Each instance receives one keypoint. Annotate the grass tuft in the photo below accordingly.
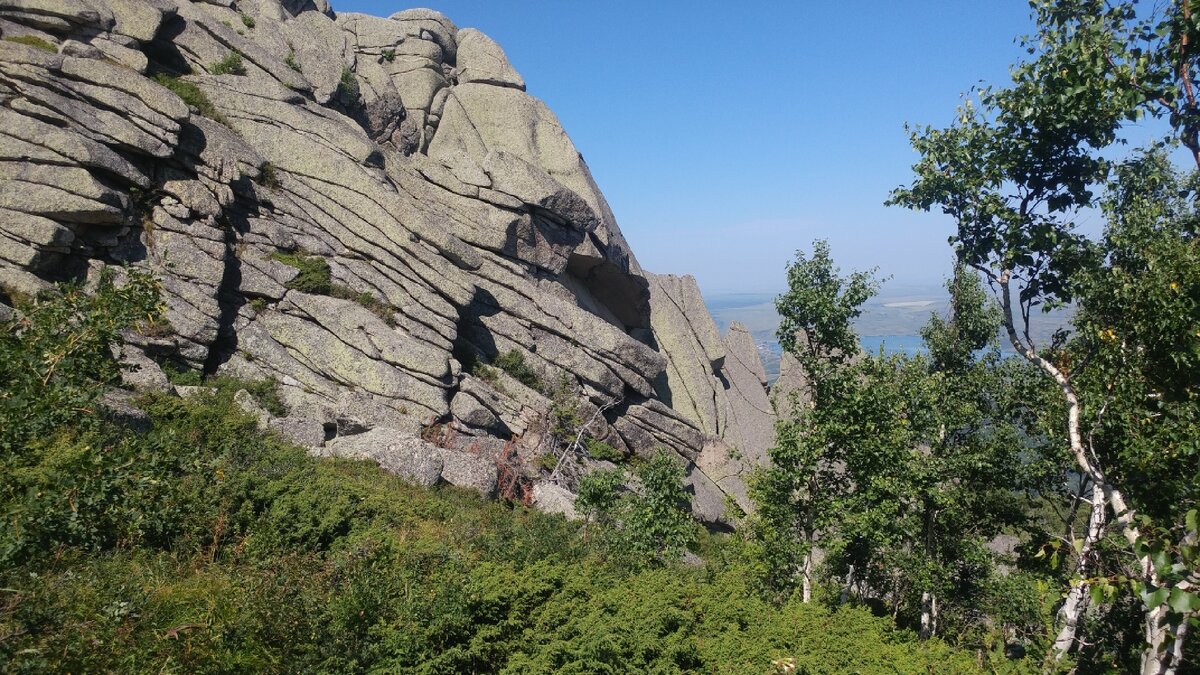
(192, 95)
(230, 65)
(33, 41)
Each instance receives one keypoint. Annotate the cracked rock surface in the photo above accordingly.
(236, 148)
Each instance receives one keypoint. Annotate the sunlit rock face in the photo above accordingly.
(239, 149)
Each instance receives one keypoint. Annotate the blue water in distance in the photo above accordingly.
(893, 344)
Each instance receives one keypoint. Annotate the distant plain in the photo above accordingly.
(891, 320)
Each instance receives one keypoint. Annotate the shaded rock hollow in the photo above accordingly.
(453, 216)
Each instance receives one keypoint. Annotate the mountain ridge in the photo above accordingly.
(374, 213)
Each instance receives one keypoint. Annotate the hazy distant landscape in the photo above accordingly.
(892, 320)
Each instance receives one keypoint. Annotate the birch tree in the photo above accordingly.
(795, 493)
(1015, 171)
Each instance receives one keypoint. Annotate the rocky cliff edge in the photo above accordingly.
(374, 213)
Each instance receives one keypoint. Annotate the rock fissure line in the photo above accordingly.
(441, 188)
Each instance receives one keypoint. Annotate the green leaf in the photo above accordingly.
(1184, 601)
(1155, 598)
(1162, 560)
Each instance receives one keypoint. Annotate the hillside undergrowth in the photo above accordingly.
(204, 545)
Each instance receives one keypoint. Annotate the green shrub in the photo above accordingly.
(291, 61)
(389, 55)
(598, 495)
(230, 65)
(659, 523)
(55, 355)
(513, 363)
(315, 276)
(347, 89)
(192, 95)
(370, 301)
(204, 545)
(268, 177)
(265, 392)
(598, 449)
(247, 20)
(548, 461)
(33, 41)
(564, 409)
(486, 373)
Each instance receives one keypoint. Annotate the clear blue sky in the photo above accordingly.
(726, 136)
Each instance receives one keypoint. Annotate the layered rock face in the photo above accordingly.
(369, 211)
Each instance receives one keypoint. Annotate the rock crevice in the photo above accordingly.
(370, 211)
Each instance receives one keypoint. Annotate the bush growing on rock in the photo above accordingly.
(55, 354)
(513, 363)
(315, 276)
(230, 65)
(192, 95)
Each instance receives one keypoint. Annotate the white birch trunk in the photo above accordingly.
(1124, 515)
(1159, 657)
(929, 612)
(1155, 658)
(806, 575)
(849, 583)
(1181, 632)
(1072, 610)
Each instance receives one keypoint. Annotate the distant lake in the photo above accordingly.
(891, 320)
(893, 344)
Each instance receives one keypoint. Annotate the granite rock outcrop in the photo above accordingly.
(370, 211)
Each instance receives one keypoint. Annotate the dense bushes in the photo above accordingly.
(213, 548)
(204, 545)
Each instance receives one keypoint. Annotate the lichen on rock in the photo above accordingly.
(453, 218)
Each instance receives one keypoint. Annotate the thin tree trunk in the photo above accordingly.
(1124, 515)
(1155, 658)
(1181, 632)
(1076, 603)
(929, 612)
(1159, 657)
(849, 583)
(806, 575)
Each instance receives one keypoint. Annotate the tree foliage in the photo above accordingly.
(56, 353)
(1016, 171)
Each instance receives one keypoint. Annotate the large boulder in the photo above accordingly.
(412, 459)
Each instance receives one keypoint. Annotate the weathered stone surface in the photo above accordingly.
(470, 411)
(688, 336)
(789, 393)
(551, 498)
(321, 50)
(708, 500)
(130, 58)
(139, 19)
(456, 219)
(118, 406)
(466, 470)
(480, 59)
(728, 472)
(431, 25)
(73, 12)
(478, 118)
(751, 420)
(305, 431)
(141, 372)
(246, 402)
(412, 459)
